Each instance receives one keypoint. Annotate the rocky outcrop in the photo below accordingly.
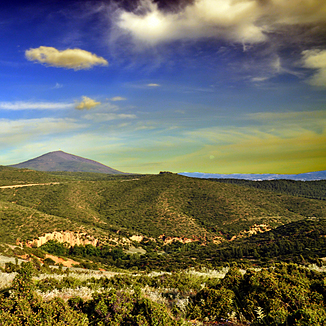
(137, 238)
(70, 237)
(255, 229)
(168, 240)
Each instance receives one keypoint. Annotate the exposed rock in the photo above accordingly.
(255, 229)
(168, 240)
(218, 240)
(65, 262)
(137, 238)
(70, 237)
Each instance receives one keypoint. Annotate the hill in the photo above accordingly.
(308, 189)
(61, 161)
(12, 176)
(162, 207)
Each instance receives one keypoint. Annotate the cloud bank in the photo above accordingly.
(100, 117)
(244, 21)
(21, 105)
(86, 104)
(76, 59)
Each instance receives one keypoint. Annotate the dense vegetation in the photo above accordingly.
(11, 176)
(284, 294)
(308, 189)
(164, 205)
(92, 176)
(216, 216)
(300, 242)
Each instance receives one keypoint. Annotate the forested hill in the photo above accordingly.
(293, 242)
(12, 176)
(307, 189)
(165, 205)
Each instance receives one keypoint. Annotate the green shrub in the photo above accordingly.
(212, 304)
(26, 308)
(49, 261)
(118, 308)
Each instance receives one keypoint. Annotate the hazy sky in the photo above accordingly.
(219, 86)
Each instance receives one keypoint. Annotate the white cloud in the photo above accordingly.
(98, 117)
(71, 58)
(316, 59)
(204, 18)
(87, 103)
(153, 85)
(118, 98)
(243, 21)
(21, 105)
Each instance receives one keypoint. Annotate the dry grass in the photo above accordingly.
(83, 292)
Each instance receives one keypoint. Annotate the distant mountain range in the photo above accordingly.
(61, 161)
(310, 176)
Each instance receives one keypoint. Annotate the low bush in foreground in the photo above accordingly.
(284, 294)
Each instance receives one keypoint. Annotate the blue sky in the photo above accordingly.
(219, 86)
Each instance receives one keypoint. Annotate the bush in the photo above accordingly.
(117, 308)
(26, 308)
(212, 304)
(49, 261)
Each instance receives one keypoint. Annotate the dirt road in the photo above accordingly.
(30, 185)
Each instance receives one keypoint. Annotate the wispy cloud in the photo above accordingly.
(153, 85)
(269, 148)
(86, 104)
(57, 85)
(22, 130)
(294, 116)
(259, 79)
(21, 105)
(288, 124)
(71, 58)
(265, 153)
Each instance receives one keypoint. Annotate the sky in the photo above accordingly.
(216, 86)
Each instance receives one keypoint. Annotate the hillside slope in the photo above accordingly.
(308, 189)
(159, 206)
(12, 176)
(61, 161)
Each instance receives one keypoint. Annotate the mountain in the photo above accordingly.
(310, 176)
(61, 161)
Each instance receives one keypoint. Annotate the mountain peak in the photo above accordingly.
(62, 161)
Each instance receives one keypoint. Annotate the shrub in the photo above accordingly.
(25, 307)
(212, 304)
(117, 308)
